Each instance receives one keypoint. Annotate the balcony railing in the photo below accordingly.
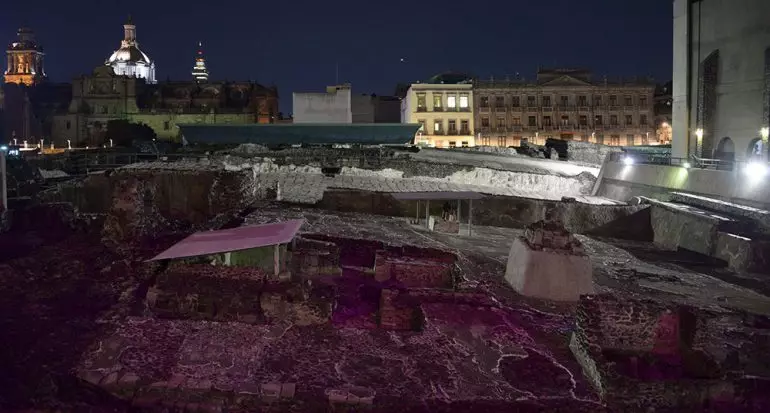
(438, 109)
(516, 108)
(499, 108)
(547, 108)
(532, 108)
(584, 108)
(465, 132)
(483, 108)
(422, 109)
(667, 159)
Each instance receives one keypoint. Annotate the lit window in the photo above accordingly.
(463, 101)
(437, 126)
(451, 101)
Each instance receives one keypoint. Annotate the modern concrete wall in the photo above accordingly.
(739, 31)
(334, 107)
(623, 182)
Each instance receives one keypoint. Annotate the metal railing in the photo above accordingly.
(656, 158)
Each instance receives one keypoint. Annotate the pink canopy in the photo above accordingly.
(234, 239)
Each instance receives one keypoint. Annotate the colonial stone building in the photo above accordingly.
(442, 106)
(104, 96)
(24, 59)
(564, 104)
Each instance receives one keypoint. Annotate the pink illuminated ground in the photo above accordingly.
(74, 304)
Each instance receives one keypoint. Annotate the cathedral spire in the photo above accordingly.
(200, 73)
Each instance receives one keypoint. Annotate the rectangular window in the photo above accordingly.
(629, 101)
(499, 101)
(484, 122)
(451, 102)
(564, 100)
(597, 100)
(531, 102)
(484, 102)
(615, 140)
(546, 101)
(629, 120)
(166, 125)
(582, 101)
(598, 120)
(516, 102)
(500, 122)
(437, 101)
(613, 101)
(465, 144)
(452, 144)
(501, 141)
(69, 124)
(546, 121)
(629, 139)
(516, 122)
(565, 120)
(614, 120)
(463, 102)
(643, 120)
(452, 126)
(464, 127)
(532, 121)
(642, 101)
(421, 101)
(437, 127)
(583, 120)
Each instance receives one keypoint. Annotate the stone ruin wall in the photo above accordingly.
(206, 292)
(705, 345)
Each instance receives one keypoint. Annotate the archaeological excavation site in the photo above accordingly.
(264, 280)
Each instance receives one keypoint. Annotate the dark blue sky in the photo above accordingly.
(296, 44)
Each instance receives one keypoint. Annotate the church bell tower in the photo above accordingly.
(24, 59)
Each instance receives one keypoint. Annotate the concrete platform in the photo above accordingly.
(547, 274)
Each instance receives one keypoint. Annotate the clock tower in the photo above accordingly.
(25, 60)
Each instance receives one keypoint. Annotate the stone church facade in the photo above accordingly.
(104, 96)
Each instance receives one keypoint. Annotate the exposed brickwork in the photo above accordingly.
(645, 353)
(242, 294)
(399, 311)
(311, 258)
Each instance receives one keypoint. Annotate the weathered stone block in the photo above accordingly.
(551, 275)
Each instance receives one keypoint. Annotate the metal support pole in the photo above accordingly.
(427, 213)
(277, 259)
(470, 216)
(417, 220)
(459, 214)
(4, 180)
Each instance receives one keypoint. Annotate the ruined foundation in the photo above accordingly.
(549, 263)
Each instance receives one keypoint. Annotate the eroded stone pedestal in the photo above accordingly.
(548, 262)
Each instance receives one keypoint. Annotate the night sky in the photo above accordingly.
(296, 44)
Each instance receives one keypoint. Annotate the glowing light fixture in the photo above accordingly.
(699, 133)
(755, 169)
(764, 132)
(686, 165)
(628, 160)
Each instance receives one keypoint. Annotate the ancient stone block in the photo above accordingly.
(547, 274)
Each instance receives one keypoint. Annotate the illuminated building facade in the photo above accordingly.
(24, 60)
(721, 85)
(565, 104)
(129, 60)
(443, 108)
(200, 72)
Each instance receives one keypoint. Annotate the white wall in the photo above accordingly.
(323, 107)
(621, 182)
(740, 30)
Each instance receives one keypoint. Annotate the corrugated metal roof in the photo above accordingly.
(301, 133)
(235, 239)
(436, 196)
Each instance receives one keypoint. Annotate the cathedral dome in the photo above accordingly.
(129, 60)
(128, 54)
